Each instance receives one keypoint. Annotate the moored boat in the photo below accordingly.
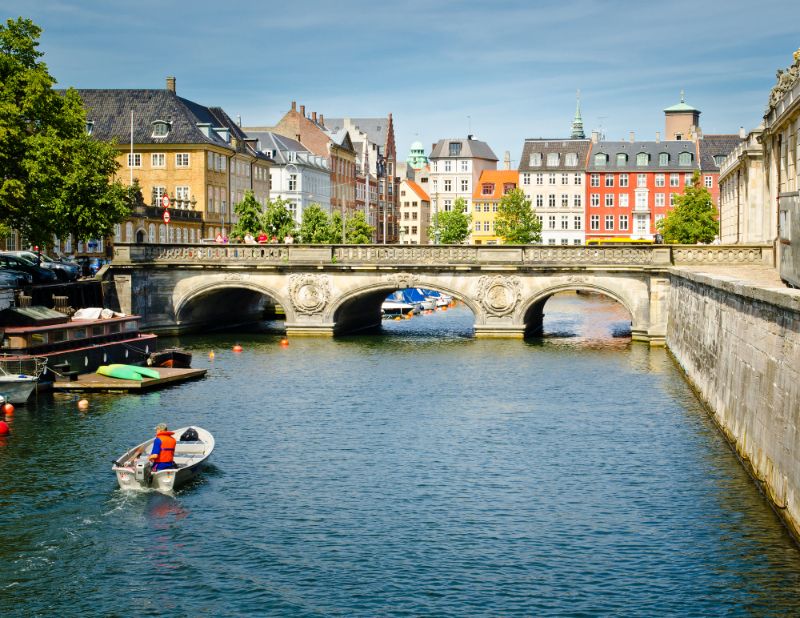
(18, 378)
(177, 358)
(133, 468)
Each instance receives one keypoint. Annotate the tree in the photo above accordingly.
(54, 178)
(359, 232)
(277, 219)
(453, 225)
(693, 219)
(516, 222)
(316, 226)
(250, 215)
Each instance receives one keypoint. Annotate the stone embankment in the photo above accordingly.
(738, 340)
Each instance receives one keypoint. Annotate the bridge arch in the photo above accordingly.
(241, 299)
(360, 308)
(531, 312)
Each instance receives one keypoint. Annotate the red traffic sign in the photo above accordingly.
(166, 216)
(165, 201)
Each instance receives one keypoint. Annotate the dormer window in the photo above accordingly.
(685, 158)
(642, 159)
(718, 159)
(552, 159)
(487, 189)
(291, 156)
(663, 158)
(600, 159)
(161, 128)
(508, 187)
(622, 159)
(89, 127)
(536, 159)
(455, 149)
(571, 159)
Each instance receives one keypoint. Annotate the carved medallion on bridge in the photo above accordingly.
(499, 295)
(403, 280)
(309, 293)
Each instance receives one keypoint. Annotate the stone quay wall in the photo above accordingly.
(740, 349)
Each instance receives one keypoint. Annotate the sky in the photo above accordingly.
(502, 70)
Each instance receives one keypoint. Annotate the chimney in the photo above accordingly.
(632, 137)
(507, 160)
(658, 136)
(595, 137)
(742, 134)
(314, 116)
(469, 137)
(322, 120)
(303, 111)
(294, 106)
(171, 84)
(239, 119)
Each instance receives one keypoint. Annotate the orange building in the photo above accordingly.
(492, 186)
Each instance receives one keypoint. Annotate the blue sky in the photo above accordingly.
(506, 69)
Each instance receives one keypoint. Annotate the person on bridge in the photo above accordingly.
(262, 238)
(163, 451)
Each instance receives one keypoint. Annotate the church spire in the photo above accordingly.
(577, 123)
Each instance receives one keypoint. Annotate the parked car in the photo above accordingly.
(10, 278)
(65, 271)
(39, 274)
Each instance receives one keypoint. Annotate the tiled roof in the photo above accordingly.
(653, 149)
(470, 149)
(560, 147)
(281, 145)
(498, 179)
(716, 145)
(375, 128)
(418, 190)
(110, 111)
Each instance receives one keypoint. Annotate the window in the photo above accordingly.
(564, 179)
(210, 199)
(660, 199)
(594, 180)
(623, 222)
(448, 166)
(551, 222)
(659, 180)
(641, 200)
(564, 222)
(448, 186)
(552, 159)
(158, 159)
(486, 207)
(623, 180)
(151, 233)
(659, 218)
(454, 149)
(564, 200)
(134, 159)
(477, 226)
(448, 205)
(485, 226)
(672, 199)
(160, 128)
(577, 202)
(623, 200)
(551, 200)
(477, 207)
(577, 222)
(535, 159)
(539, 179)
(674, 180)
(182, 193)
(609, 180)
(622, 159)
(539, 200)
(551, 179)
(687, 179)
(494, 207)
(594, 222)
(642, 159)
(571, 159)
(709, 181)
(595, 199)
(565, 241)
(600, 159)
(464, 185)
(577, 241)
(578, 179)
(718, 159)
(89, 127)
(526, 179)
(609, 200)
(551, 241)
(641, 180)
(292, 182)
(181, 159)
(464, 165)
(663, 158)
(685, 158)
(609, 222)
(158, 193)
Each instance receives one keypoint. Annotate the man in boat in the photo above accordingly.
(163, 451)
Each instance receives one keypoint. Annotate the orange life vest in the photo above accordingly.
(167, 447)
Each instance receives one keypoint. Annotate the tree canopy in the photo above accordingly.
(55, 180)
(693, 219)
(249, 217)
(516, 222)
(278, 219)
(453, 225)
(316, 226)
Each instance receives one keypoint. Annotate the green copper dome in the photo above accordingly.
(681, 107)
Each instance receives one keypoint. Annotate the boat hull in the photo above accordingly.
(17, 389)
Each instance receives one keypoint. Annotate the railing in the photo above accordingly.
(442, 255)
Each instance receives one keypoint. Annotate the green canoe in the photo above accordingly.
(145, 372)
(121, 372)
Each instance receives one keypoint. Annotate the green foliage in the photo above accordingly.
(516, 222)
(359, 232)
(278, 220)
(694, 217)
(316, 226)
(54, 178)
(453, 226)
(250, 216)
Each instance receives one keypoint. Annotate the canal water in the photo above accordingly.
(415, 472)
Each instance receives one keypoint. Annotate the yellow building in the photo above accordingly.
(492, 186)
(414, 214)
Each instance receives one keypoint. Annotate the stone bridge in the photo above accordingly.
(331, 289)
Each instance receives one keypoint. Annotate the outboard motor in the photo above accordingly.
(142, 469)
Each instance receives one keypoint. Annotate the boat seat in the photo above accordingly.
(190, 448)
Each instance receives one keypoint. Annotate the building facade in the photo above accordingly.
(414, 214)
(489, 190)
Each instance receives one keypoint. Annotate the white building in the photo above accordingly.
(296, 175)
(415, 214)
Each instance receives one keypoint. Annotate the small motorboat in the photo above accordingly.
(392, 308)
(171, 357)
(18, 378)
(134, 472)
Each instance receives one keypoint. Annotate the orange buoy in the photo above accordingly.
(237, 348)
(284, 342)
(4, 430)
(83, 405)
(398, 318)
(211, 355)
(8, 409)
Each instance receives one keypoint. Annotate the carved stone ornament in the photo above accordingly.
(309, 293)
(785, 80)
(499, 295)
(236, 276)
(403, 280)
